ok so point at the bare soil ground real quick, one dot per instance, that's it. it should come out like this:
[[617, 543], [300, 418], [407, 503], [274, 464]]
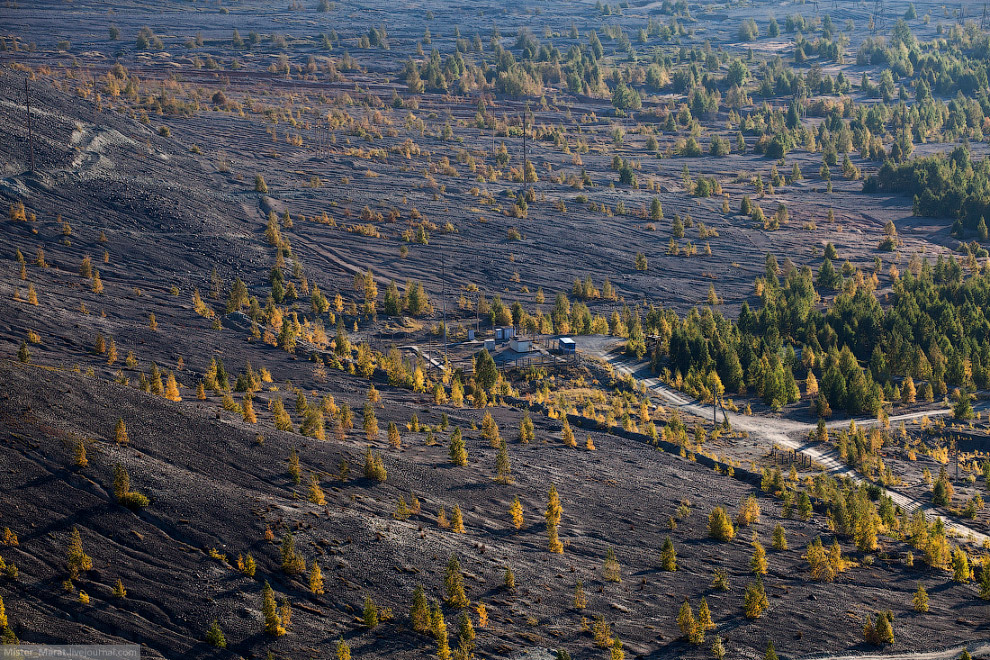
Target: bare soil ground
[[173, 205]]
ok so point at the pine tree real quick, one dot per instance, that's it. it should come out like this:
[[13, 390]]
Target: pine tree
[[249, 566], [465, 635], [960, 566], [458, 450], [292, 562], [779, 539], [394, 440], [719, 526], [804, 506], [509, 580], [118, 590], [295, 471], [503, 468], [771, 654], [527, 433], [440, 632], [281, 417], [516, 511], [705, 616], [23, 354], [369, 615], [758, 562], [611, 569], [580, 600], [215, 636], [552, 515], [686, 621], [755, 600], [77, 560], [568, 435], [120, 433], [171, 387], [247, 409], [316, 495], [79, 455], [453, 584], [457, 520], [343, 650], [370, 422], [718, 646], [920, 599], [668, 557], [419, 614]]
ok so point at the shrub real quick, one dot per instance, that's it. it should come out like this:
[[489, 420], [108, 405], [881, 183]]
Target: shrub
[[215, 636]]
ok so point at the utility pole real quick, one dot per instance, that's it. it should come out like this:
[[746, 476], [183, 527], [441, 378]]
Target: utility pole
[[983, 19], [27, 103], [877, 18]]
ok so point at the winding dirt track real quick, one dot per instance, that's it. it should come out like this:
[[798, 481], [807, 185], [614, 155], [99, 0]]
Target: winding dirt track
[[782, 432]]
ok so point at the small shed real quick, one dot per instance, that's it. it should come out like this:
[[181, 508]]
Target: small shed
[[489, 345], [566, 345], [470, 335], [521, 344], [505, 332]]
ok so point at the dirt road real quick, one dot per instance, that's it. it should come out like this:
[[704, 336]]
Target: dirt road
[[785, 433]]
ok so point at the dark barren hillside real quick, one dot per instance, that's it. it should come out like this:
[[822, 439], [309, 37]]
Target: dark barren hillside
[[241, 412]]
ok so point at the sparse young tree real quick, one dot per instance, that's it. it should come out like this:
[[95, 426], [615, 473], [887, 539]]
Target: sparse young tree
[[611, 569], [755, 600], [273, 622], [453, 584], [394, 440], [686, 621], [668, 557], [369, 615], [316, 495], [503, 468], [580, 600], [457, 520], [920, 599], [458, 450], [215, 636], [77, 560], [719, 525], [516, 511], [120, 433], [419, 614], [293, 563], [552, 515], [568, 435], [509, 580], [758, 562], [779, 538], [526, 431]]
